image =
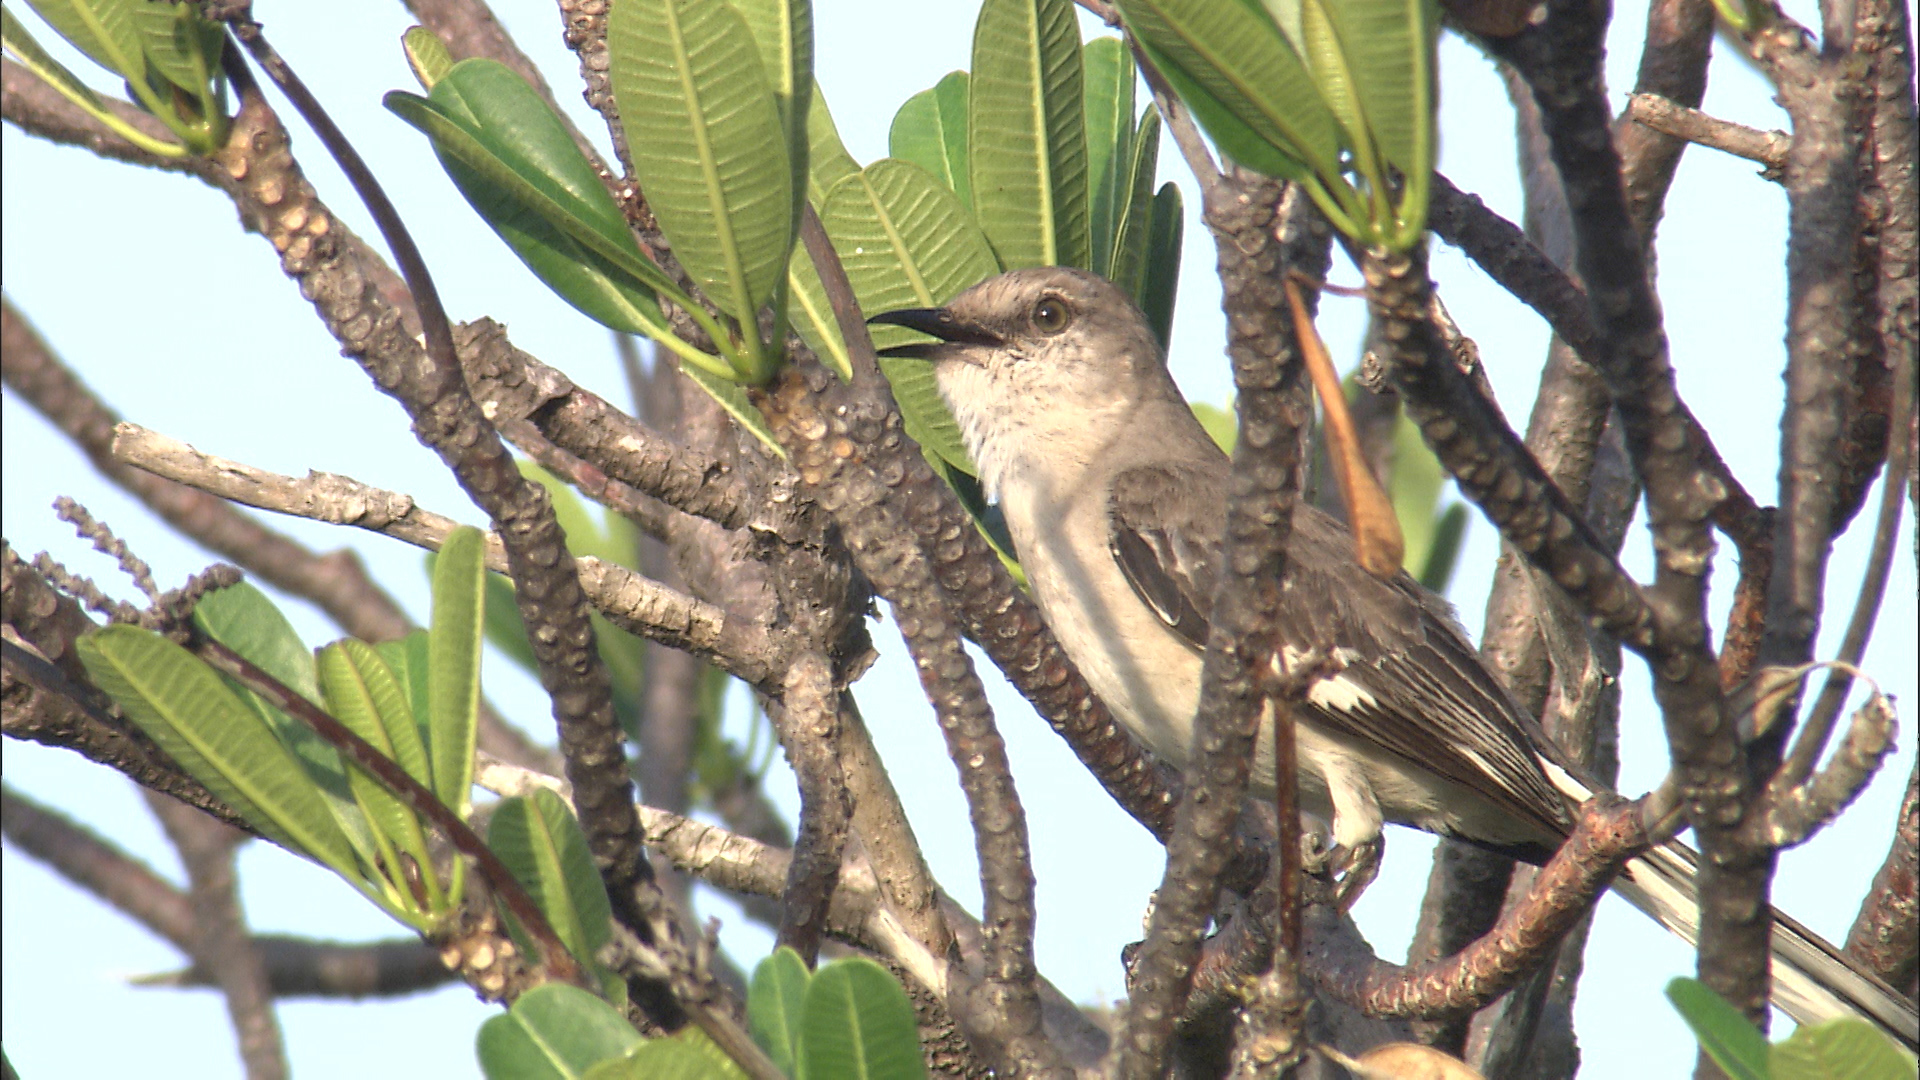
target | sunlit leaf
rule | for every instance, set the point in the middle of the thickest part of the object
(930, 130)
(776, 1002)
(453, 664)
(553, 1032)
(1109, 77)
(541, 843)
(858, 1022)
(1029, 145)
(1724, 1033)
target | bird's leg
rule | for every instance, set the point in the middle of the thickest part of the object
(1355, 866)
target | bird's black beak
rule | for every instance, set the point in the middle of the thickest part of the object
(940, 323)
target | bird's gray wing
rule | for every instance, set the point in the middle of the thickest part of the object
(1423, 695)
(1168, 552)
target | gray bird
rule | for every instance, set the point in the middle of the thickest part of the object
(1116, 500)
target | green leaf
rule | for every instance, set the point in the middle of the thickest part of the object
(1389, 47)
(1221, 424)
(687, 1055)
(16, 40)
(930, 130)
(1162, 279)
(775, 1004)
(734, 400)
(1724, 1033)
(1436, 572)
(553, 1032)
(427, 55)
(244, 620)
(812, 312)
(362, 693)
(506, 631)
(1109, 80)
(102, 29)
(519, 168)
(453, 664)
(828, 162)
(541, 843)
(1847, 1049)
(1028, 133)
(1133, 225)
(186, 708)
(858, 1023)
(906, 241)
(700, 112)
(408, 660)
(1245, 70)
(183, 50)
(783, 33)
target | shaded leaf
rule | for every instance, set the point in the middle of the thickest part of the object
(828, 162)
(453, 665)
(185, 707)
(542, 844)
(1133, 226)
(1161, 281)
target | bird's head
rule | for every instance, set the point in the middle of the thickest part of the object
(1048, 360)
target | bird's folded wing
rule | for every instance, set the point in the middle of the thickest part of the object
(1409, 683)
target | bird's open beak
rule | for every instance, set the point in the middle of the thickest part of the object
(957, 337)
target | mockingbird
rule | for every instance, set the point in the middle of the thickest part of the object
(1116, 499)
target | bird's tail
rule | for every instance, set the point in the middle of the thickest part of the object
(1812, 980)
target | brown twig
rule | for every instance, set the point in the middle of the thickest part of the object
(295, 967)
(1608, 833)
(632, 602)
(221, 944)
(1885, 935)
(1768, 148)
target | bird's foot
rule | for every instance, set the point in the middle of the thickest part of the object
(1354, 868)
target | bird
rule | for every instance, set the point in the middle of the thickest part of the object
(1115, 497)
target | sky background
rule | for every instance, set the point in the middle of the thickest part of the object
(183, 324)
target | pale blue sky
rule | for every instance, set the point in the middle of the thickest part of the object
(196, 336)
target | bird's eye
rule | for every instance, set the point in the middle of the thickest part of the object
(1050, 316)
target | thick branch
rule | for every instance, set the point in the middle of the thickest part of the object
(1885, 935)
(1006, 1012)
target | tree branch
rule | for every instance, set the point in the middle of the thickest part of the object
(1768, 148)
(1255, 253)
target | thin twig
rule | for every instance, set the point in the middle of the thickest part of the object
(1768, 148)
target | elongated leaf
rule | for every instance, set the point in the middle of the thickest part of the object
(1436, 572)
(541, 843)
(102, 29)
(1414, 487)
(907, 242)
(812, 312)
(1028, 132)
(1133, 226)
(181, 45)
(930, 130)
(1161, 281)
(362, 693)
(776, 1002)
(553, 1032)
(828, 162)
(1320, 46)
(1247, 71)
(687, 1055)
(858, 1022)
(734, 400)
(358, 668)
(185, 707)
(244, 620)
(1109, 79)
(453, 665)
(408, 660)
(694, 98)
(1389, 48)
(783, 34)
(1847, 1049)
(36, 59)
(1724, 1033)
